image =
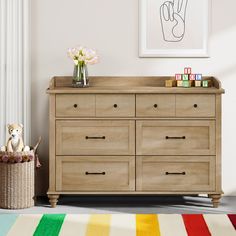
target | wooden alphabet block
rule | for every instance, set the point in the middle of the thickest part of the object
(178, 76)
(198, 77)
(170, 83)
(192, 77)
(198, 83)
(186, 84)
(187, 70)
(180, 83)
(185, 77)
(205, 83)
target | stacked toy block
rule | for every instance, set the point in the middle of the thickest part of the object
(188, 80)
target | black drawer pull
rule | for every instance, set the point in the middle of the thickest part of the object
(183, 137)
(155, 105)
(115, 105)
(95, 173)
(176, 173)
(75, 105)
(102, 137)
(195, 105)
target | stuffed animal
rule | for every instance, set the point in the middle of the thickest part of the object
(15, 142)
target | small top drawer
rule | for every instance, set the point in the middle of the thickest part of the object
(195, 105)
(155, 105)
(118, 105)
(75, 105)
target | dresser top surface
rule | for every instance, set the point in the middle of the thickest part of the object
(134, 84)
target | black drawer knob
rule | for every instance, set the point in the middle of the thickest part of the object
(155, 105)
(195, 105)
(75, 105)
(115, 105)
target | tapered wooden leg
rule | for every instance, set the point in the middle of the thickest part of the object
(215, 198)
(53, 199)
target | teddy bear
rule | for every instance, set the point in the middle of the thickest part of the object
(15, 142)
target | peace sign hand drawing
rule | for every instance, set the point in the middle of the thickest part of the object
(172, 15)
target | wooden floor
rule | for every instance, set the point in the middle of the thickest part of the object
(113, 205)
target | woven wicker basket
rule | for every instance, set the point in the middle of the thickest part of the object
(17, 185)
(17, 180)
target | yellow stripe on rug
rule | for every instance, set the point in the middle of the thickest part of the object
(25, 225)
(147, 225)
(75, 225)
(172, 224)
(123, 225)
(99, 225)
(219, 225)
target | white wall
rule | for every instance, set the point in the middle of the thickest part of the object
(111, 26)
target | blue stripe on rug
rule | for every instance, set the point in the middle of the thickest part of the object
(7, 220)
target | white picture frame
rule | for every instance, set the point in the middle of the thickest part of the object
(157, 37)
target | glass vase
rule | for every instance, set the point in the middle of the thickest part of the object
(80, 76)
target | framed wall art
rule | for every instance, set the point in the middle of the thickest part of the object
(174, 28)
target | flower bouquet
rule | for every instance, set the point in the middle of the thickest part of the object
(82, 57)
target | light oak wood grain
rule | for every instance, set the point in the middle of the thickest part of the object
(175, 137)
(154, 105)
(95, 137)
(119, 105)
(175, 173)
(131, 84)
(52, 143)
(75, 105)
(195, 105)
(129, 139)
(95, 173)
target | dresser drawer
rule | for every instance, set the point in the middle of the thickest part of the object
(195, 105)
(175, 173)
(95, 137)
(93, 173)
(118, 105)
(75, 105)
(155, 105)
(175, 137)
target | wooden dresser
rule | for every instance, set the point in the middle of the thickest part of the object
(133, 136)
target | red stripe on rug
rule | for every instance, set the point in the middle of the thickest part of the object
(195, 225)
(232, 218)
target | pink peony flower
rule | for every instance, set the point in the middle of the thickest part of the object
(5, 158)
(31, 157)
(18, 158)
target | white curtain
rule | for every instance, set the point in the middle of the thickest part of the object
(14, 66)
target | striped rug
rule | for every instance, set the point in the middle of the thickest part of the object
(117, 225)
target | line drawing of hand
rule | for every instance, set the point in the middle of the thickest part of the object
(172, 14)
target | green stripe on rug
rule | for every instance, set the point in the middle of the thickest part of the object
(50, 225)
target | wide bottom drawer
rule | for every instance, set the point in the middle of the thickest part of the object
(95, 173)
(175, 173)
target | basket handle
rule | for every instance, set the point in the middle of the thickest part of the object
(37, 144)
(38, 164)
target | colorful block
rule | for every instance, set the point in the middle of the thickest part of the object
(186, 84)
(198, 83)
(187, 70)
(192, 77)
(198, 77)
(178, 77)
(206, 83)
(185, 77)
(170, 83)
(180, 83)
